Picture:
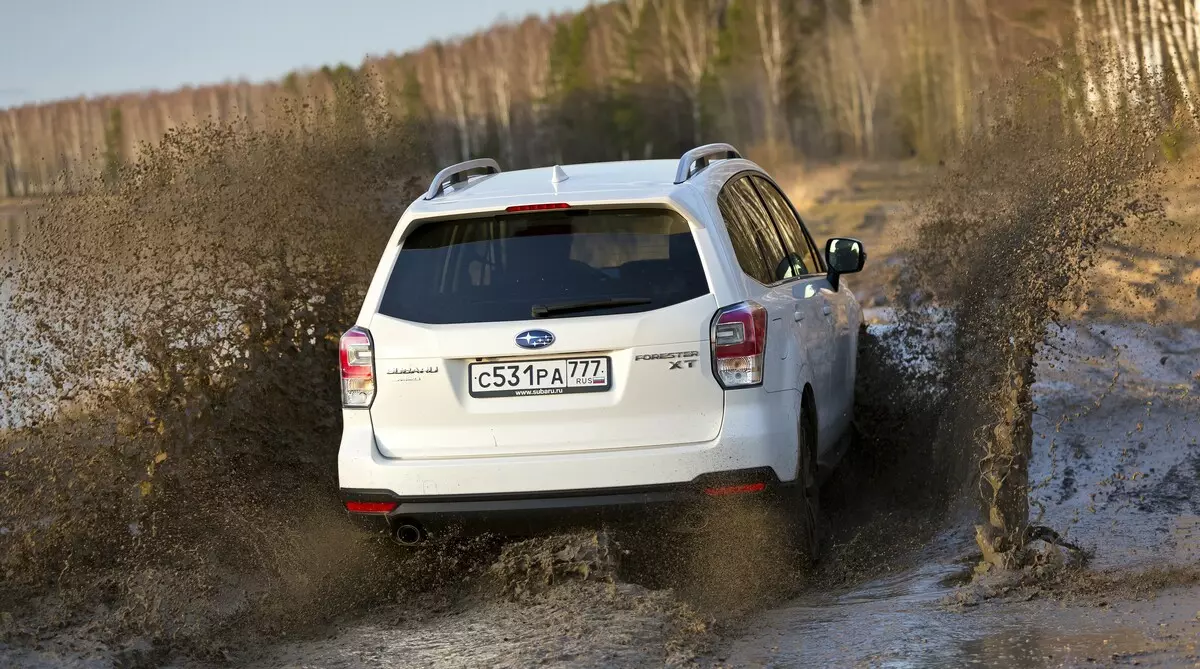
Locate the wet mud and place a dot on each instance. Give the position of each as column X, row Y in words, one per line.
column 1112, row 471
column 170, row 421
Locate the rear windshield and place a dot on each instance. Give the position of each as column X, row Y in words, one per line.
column 544, row 265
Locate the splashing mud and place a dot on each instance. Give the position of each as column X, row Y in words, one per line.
column 169, row 470
column 1003, row 247
column 1030, row 255
column 172, row 418
column 172, row 415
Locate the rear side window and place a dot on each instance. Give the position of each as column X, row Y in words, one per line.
column 543, row 265
column 790, row 229
column 755, row 241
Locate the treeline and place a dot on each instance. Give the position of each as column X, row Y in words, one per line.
column 783, row 79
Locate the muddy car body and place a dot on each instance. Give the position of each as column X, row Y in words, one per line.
column 595, row 342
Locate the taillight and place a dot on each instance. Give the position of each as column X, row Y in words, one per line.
column 739, row 342
column 358, row 368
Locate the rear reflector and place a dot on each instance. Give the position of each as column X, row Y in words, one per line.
column 370, row 507
column 735, row 489
column 538, row 207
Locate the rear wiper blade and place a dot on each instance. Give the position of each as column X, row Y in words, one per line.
column 544, row 310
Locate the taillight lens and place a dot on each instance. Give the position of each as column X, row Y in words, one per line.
column 358, row 368
column 739, row 344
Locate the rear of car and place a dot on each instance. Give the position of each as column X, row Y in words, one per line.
column 551, row 359
column 536, row 322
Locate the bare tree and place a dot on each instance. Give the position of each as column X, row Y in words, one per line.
column 1172, row 29
column 695, row 24
column 867, row 77
column 775, row 50
column 498, row 65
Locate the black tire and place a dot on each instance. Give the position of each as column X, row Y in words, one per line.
column 801, row 504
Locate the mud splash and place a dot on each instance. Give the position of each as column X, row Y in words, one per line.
column 168, row 486
column 168, row 476
column 170, row 394
column 1006, row 238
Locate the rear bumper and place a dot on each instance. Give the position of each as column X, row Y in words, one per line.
column 673, row 505
column 758, row 431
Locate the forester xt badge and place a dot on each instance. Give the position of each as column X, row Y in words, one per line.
column 677, row 359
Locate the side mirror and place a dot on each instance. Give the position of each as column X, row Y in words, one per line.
column 844, row 256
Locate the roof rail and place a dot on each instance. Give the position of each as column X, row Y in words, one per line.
column 459, row 173
column 700, row 158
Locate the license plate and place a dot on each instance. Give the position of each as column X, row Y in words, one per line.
column 540, row 377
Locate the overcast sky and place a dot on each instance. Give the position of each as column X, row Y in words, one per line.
column 54, row 49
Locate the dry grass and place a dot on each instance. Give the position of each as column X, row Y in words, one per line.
column 1148, row 275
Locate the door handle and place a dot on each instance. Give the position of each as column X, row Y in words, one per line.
column 826, row 309
column 798, row 314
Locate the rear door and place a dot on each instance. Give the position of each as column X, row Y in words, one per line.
column 545, row 332
column 824, row 333
column 762, row 257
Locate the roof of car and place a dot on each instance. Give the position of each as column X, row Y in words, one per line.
column 629, row 180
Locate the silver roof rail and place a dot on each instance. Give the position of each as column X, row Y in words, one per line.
column 459, row 173
column 700, row 158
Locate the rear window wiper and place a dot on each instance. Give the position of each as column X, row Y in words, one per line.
column 544, row 310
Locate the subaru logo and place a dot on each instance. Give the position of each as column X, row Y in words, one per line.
column 535, row 339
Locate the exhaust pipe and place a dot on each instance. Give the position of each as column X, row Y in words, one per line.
column 408, row 534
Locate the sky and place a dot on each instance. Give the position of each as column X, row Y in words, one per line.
column 55, row 49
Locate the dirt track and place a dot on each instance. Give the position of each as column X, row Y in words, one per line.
column 1118, row 471
column 233, row 581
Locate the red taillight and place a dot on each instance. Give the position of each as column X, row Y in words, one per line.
column 735, row 489
column 370, row 507
column 358, row 368
column 739, row 342
column 538, row 207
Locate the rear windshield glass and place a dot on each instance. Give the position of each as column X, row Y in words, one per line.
column 544, row 265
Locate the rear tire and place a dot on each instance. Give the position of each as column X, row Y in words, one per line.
column 801, row 505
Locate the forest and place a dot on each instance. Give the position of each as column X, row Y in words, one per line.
column 785, row 80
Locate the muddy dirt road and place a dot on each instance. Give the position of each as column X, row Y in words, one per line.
column 193, row 524
column 1117, row 466
column 1118, row 471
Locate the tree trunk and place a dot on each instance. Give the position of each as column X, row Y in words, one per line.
column 1174, row 40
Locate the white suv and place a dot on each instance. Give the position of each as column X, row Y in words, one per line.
column 596, row 342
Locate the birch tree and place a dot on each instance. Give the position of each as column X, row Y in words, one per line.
column 498, row 63
column 694, row 24
column 775, row 45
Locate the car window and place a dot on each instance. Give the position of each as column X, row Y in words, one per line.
column 758, row 247
column 765, row 232
column 740, row 224
column 790, row 229
column 498, row 268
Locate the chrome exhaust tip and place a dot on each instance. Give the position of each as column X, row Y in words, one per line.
column 408, row 534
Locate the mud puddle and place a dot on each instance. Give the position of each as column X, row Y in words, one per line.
column 904, row 622
column 577, row 625
column 1115, row 470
